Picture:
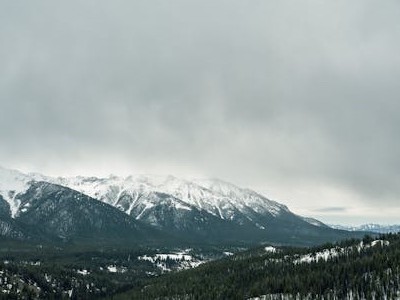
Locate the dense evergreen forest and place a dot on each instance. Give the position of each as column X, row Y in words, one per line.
column 45, row 272
column 75, row 271
column 354, row 269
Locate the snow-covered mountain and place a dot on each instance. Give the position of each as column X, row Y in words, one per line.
column 198, row 210
column 370, row 228
column 137, row 194
column 32, row 207
column 12, row 184
column 315, row 222
column 202, row 208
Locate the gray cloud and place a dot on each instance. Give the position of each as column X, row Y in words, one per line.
column 257, row 92
column 332, row 209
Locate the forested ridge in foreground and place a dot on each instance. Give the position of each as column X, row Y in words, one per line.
column 354, row 269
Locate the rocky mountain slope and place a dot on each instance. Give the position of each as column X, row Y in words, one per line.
column 204, row 208
column 200, row 211
column 40, row 210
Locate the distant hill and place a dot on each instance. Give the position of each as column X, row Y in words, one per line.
column 370, row 228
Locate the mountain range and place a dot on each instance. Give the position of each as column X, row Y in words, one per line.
column 378, row 228
column 148, row 209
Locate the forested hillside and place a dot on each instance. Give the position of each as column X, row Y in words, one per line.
column 356, row 269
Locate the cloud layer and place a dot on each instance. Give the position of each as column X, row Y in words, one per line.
column 299, row 99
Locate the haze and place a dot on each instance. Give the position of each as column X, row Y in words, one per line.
column 298, row 100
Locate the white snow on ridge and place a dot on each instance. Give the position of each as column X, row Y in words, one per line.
column 242, row 197
column 148, row 206
column 136, row 194
column 12, row 184
column 219, row 198
column 171, row 256
column 182, row 261
column 180, row 206
column 318, row 256
column 328, row 254
column 370, row 227
column 380, row 242
column 270, row 249
column 83, row 272
column 112, row 269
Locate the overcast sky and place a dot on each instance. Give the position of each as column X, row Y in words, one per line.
column 299, row 100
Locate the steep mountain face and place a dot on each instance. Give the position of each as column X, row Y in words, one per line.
column 218, row 198
column 204, row 209
column 64, row 213
column 12, row 184
column 38, row 210
column 199, row 211
column 8, row 227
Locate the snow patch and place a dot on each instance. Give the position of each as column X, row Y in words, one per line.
column 156, row 257
column 13, row 184
column 180, row 206
column 327, row 254
column 381, row 243
column 112, row 269
column 270, row 249
column 318, row 256
column 148, row 206
column 116, row 269
column 181, row 260
column 83, row 272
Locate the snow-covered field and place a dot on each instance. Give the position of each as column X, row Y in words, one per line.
column 331, row 253
column 167, row 262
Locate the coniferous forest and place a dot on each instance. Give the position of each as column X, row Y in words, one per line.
column 200, row 150
column 354, row 269
column 351, row 269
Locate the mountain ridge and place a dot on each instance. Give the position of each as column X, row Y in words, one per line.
column 370, row 227
column 201, row 210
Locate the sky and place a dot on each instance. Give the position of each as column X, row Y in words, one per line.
column 299, row 100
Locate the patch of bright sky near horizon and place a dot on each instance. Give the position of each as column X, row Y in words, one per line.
column 295, row 99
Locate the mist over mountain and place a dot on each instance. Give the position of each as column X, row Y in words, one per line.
column 147, row 208
column 293, row 104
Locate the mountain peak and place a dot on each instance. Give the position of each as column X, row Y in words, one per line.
column 12, row 184
column 207, row 209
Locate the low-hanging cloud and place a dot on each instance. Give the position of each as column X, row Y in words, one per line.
column 331, row 209
column 257, row 92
